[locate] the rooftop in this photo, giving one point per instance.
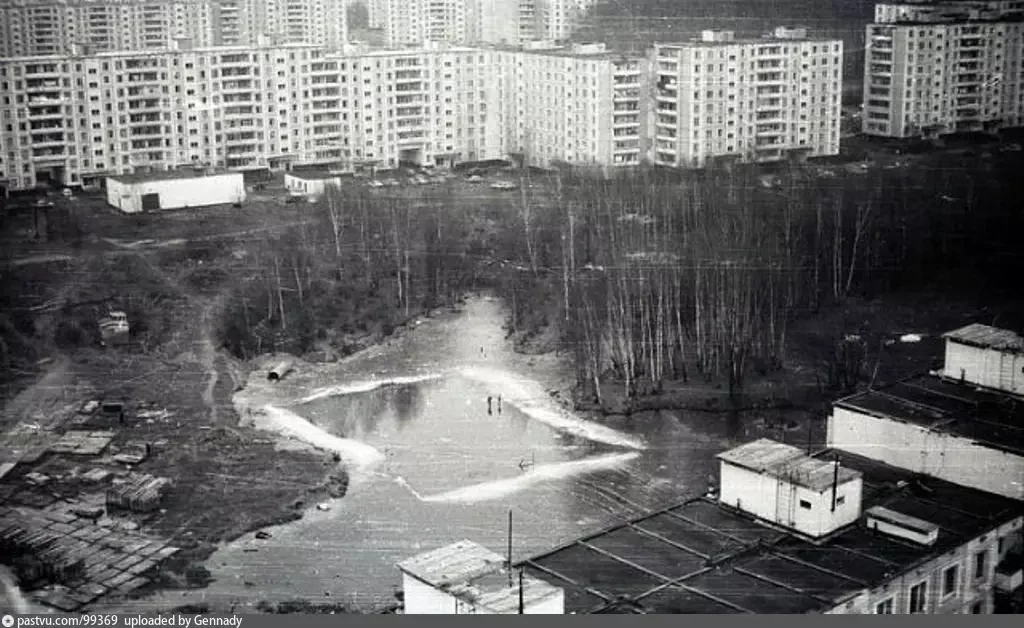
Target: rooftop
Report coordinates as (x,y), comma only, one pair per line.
(700,557)
(475,574)
(167,175)
(777,459)
(986,337)
(986,417)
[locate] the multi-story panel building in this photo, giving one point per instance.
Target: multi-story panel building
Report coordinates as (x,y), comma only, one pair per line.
(505,22)
(410,22)
(944,67)
(68,120)
(494,22)
(579,105)
(46,27)
(558,19)
(751,100)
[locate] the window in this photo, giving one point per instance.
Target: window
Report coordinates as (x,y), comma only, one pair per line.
(884,607)
(950,581)
(979,564)
(977,608)
(918,597)
(805,504)
(840,500)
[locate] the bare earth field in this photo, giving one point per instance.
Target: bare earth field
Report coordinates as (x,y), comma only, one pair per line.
(171,272)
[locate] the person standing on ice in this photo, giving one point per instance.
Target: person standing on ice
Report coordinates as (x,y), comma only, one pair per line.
(499,404)
(489,405)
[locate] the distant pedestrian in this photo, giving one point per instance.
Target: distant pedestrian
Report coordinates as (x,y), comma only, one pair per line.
(489,405)
(499,404)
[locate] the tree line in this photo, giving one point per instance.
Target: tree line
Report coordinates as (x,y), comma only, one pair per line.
(701,276)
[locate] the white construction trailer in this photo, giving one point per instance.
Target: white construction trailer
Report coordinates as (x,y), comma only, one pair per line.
(134,193)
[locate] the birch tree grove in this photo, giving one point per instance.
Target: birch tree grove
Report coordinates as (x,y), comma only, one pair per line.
(697,276)
(353,265)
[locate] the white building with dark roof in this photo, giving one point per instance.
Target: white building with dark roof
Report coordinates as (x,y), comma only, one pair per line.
(134,193)
(964,424)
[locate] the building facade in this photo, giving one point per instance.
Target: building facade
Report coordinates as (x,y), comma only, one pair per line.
(503,22)
(70,120)
(944,67)
(750,100)
(961,424)
(578,104)
(52,27)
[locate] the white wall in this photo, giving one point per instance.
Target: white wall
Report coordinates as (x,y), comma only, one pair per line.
(178,193)
(309,187)
(985,367)
(759,494)
(915,448)
(423,599)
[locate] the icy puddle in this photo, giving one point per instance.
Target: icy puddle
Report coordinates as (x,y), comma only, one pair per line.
(436,437)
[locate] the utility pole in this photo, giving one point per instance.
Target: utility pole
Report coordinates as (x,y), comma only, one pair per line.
(509,555)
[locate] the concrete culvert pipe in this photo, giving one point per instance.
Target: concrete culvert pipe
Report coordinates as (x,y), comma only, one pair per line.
(279,371)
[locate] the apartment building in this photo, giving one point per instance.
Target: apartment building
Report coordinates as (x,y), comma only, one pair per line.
(503,22)
(944,67)
(558,19)
(752,100)
(53,27)
(577,104)
(411,22)
(69,120)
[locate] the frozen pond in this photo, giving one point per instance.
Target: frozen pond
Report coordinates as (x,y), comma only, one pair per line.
(431,466)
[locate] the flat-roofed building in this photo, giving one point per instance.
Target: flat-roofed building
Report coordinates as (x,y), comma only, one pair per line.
(579,105)
(50,27)
(180,189)
(750,100)
(467,578)
(944,67)
(913,545)
(71,120)
(311,183)
(964,424)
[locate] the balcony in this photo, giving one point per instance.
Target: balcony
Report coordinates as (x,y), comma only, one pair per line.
(135,78)
(45,112)
(40,85)
(408,87)
(407,137)
(48,155)
(142,106)
(1010,572)
(47,69)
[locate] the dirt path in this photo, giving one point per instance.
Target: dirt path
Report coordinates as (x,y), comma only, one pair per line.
(208,357)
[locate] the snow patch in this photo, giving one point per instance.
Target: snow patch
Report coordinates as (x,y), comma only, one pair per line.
(286,422)
(366,386)
(537,475)
(531,399)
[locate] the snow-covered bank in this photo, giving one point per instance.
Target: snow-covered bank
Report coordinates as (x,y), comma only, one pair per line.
(366,386)
(531,399)
(540,474)
(285,422)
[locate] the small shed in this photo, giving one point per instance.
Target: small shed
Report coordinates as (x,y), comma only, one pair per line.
(986,356)
(781,484)
(174,189)
(279,370)
(465,578)
(311,183)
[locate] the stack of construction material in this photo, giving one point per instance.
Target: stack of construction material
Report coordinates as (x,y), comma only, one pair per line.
(139,492)
(37,555)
